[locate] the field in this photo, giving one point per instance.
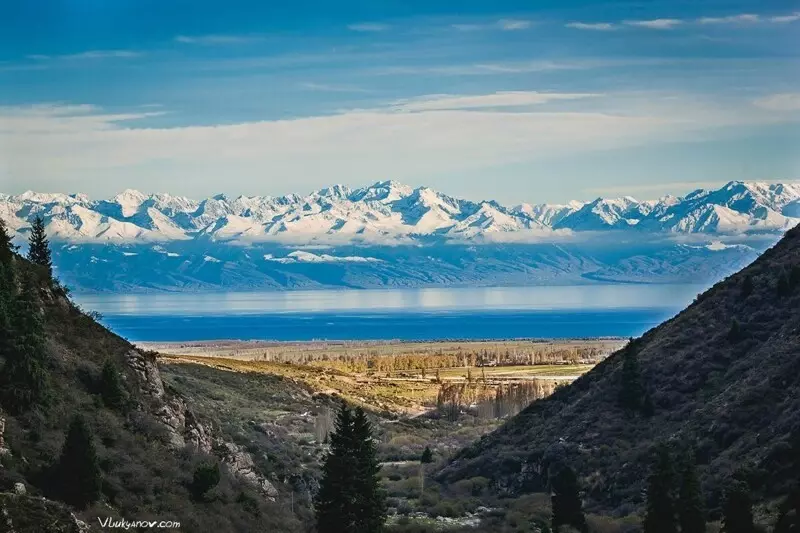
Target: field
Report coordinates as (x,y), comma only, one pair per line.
(406,378)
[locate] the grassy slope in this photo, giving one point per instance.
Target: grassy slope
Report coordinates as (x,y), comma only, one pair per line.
(736,402)
(143,478)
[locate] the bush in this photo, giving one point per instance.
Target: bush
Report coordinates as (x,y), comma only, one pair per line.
(206,477)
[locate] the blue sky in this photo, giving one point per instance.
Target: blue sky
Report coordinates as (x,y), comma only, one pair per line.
(516,101)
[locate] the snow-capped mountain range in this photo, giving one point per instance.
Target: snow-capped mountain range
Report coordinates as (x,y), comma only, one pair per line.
(390,212)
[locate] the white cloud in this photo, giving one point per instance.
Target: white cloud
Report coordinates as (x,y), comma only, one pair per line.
(513,24)
(655,24)
(217,39)
(595,26)
(368,27)
(332,88)
(780,102)
(89,54)
(745,18)
(502,24)
(443,102)
(783,19)
(78,145)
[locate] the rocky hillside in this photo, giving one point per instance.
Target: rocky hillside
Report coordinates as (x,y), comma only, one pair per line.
(147,451)
(722,377)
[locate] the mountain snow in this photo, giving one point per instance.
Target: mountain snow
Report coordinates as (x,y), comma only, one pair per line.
(389,212)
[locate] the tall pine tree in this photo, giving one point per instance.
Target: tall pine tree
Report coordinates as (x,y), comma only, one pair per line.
(631,393)
(79,478)
(660,516)
(39,246)
(24,380)
(737,509)
(371,499)
(349,497)
(691,511)
(7,249)
(566,501)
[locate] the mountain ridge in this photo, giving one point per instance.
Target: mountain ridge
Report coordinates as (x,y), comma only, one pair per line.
(722,377)
(389,211)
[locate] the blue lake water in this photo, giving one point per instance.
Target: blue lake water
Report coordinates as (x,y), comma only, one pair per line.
(404,314)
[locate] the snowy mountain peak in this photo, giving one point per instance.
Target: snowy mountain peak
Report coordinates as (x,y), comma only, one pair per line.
(389,210)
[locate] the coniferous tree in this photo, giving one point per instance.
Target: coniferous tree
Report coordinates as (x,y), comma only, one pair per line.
(79,478)
(111,389)
(566,501)
(371,499)
(206,476)
(350,497)
(691,512)
(735,333)
(39,246)
(737,509)
(794,277)
(24,381)
(631,390)
(335,501)
(784,284)
(427,456)
(660,516)
(7,249)
(747,286)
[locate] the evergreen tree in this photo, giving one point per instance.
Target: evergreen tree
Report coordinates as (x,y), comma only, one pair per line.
(24,381)
(111,389)
(566,501)
(660,516)
(631,390)
(39,246)
(747,286)
(79,478)
(691,512)
(794,277)
(735,333)
(737,509)
(7,249)
(371,499)
(206,476)
(334,503)
(784,286)
(427,456)
(349,497)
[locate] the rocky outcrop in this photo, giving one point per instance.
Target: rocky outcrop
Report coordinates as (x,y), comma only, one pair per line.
(3,449)
(241,464)
(19,512)
(181,424)
(184,428)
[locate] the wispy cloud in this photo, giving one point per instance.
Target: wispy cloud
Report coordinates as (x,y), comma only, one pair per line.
(592,26)
(446,102)
(89,54)
(85,142)
(780,102)
(332,88)
(502,24)
(655,24)
(746,18)
(784,19)
(513,24)
(369,27)
(217,39)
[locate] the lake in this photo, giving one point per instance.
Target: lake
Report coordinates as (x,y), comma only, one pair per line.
(387,314)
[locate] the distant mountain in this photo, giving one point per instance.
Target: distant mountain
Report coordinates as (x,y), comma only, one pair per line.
(392,212)
(723,378)
(392,235)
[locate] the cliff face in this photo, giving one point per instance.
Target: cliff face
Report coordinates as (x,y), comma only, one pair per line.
(723,378)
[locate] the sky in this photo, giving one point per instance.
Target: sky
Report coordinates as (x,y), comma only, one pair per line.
(510,100)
